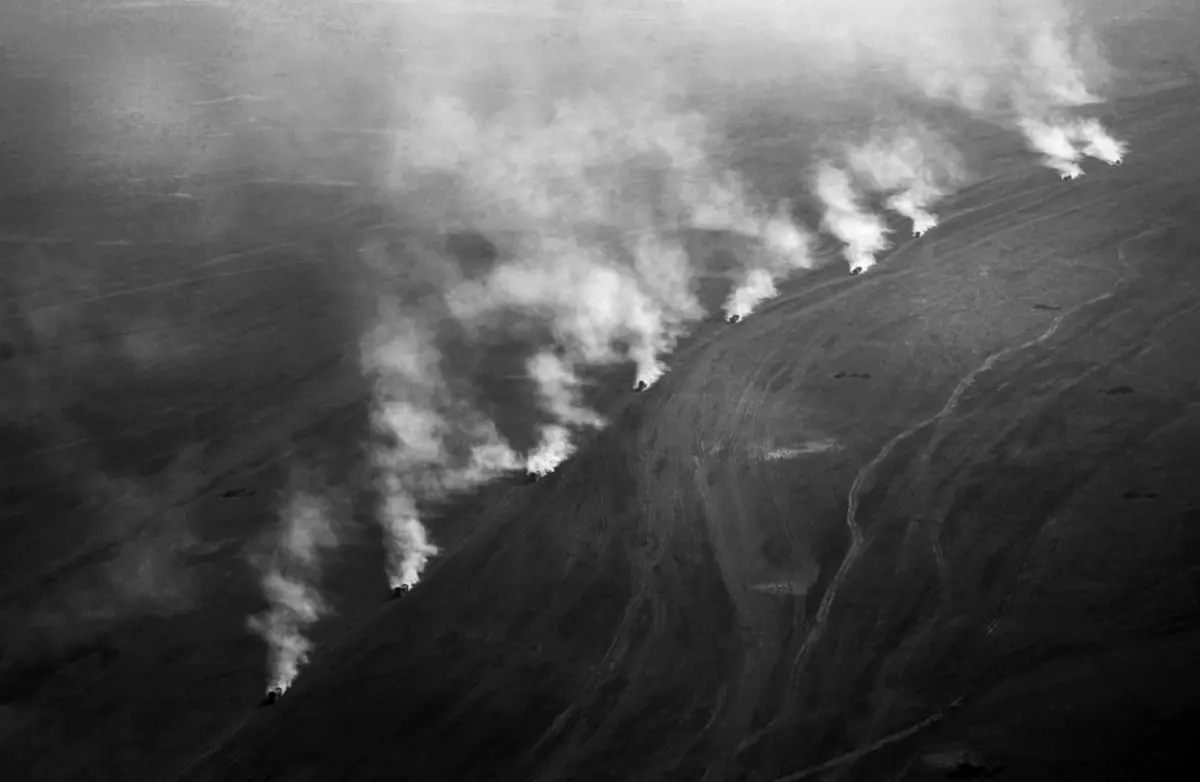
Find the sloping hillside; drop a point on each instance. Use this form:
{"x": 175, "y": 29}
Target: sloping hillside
{"x": 954, "y": 496}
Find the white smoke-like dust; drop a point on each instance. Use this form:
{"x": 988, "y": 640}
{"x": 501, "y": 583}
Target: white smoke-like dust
{"x": 558, "y": 389}
{"x": 1098, "y": 143}
{"x": 430, "y": 443}
{"x": 912, "y": 167}
{"x": 593, "y": 140}
{"x": 1054, "y": 143}
{"x": 863, "y": 232}
{"x": 599, "y": 193}
{"x": 757, "y": 287}
{"x": 783, "y": 248}
{"x": 554, "y": 447}
{"x": 290, "y": 581}
{"x": 1063, "y": 143}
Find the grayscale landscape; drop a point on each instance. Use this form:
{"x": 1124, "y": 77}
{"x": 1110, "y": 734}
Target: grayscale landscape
{"x": 645, "y": 390}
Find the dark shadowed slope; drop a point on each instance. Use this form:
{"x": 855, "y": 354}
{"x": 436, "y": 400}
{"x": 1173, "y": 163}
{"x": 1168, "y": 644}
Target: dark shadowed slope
{"x": 938, "y": 519}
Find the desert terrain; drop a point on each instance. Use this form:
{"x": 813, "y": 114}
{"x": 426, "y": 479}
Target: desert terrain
{"x": 934, "y": 520}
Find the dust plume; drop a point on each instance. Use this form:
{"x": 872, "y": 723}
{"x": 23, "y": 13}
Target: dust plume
{"x": 912, "y": 167}
{"x": 757, "y": 287}
{"x": 599, "y": 310}
{"x": 544, "y": 123}
{"x": 783, "y": 247}
{"x": 490, "y": 454}
{"x": 863, "y": 232}
{"x": 1098, "y": 143}
{"x": 290, "y": 582}
{"x": 407, "y": 542}
{"x": 559, "y": 395}
{"x": 558, "y": 388}
{"x": 1015, "y": 63}
{"x": 721, "y": 202}
{"x": 595, "y": 136}
{"x": 554, "y": 447}
{"x": 429, "y": 441}
{"x": 403, "y": 413}
{"x": 1032, "y": 65}
{"x": 1054, "y": 143}
{"x": 597, "y": 169}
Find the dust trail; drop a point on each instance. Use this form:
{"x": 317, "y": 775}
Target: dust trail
{"x": 559, "y": 393}
{"x": 1046, "y": 69}
{"x": 1030, "y": 65}
{"x": 720, "y": 202}
{"x": 874, "y": 746}
{"x": 599, "y": 311}
{"x": 1098, "y": 143}
{"x": 290, "y": 582}
{"x": 408, "y": 546}
{"x": 757, "y": 287}
{"x": 598, "y": 190}
{"x": 559, "y": 390}
{"x": 489, "y": 457}
{"x": 863, "y": 233}
{"x": 554, "y": 447}
{"x": 912, "y": 167}
{"x": 1055, "y": 144}
{"x": 783, "y": 248}
{"x": 430, "y": 442}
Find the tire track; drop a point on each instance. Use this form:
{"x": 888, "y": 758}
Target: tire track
{"x": 653, "y": 546}
{"x": 1037, "y": 189}
{"x": 220, "y": 742}
{"x": 1133, "y": 353}
{"x": 607, "y": 663}
{"x": 863, "y": 480}
{"x": 177, "y": 282}
{"x": 874, "y": 746}
{"x": 1043, "y": 194}
{"x": 1056, "y": 393}
{"x": 626, "y": 703}
{"x": 889, "y": 271}
{"x": 1141, "y": 347}
{"x": 1130, "y": 354}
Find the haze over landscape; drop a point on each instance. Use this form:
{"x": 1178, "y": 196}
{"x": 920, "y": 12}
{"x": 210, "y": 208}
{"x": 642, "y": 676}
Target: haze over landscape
{"x": 572, "y": 390}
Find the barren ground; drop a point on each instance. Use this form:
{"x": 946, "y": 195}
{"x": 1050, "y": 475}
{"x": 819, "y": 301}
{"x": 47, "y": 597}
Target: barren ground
{"x": 947, "y": 504}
